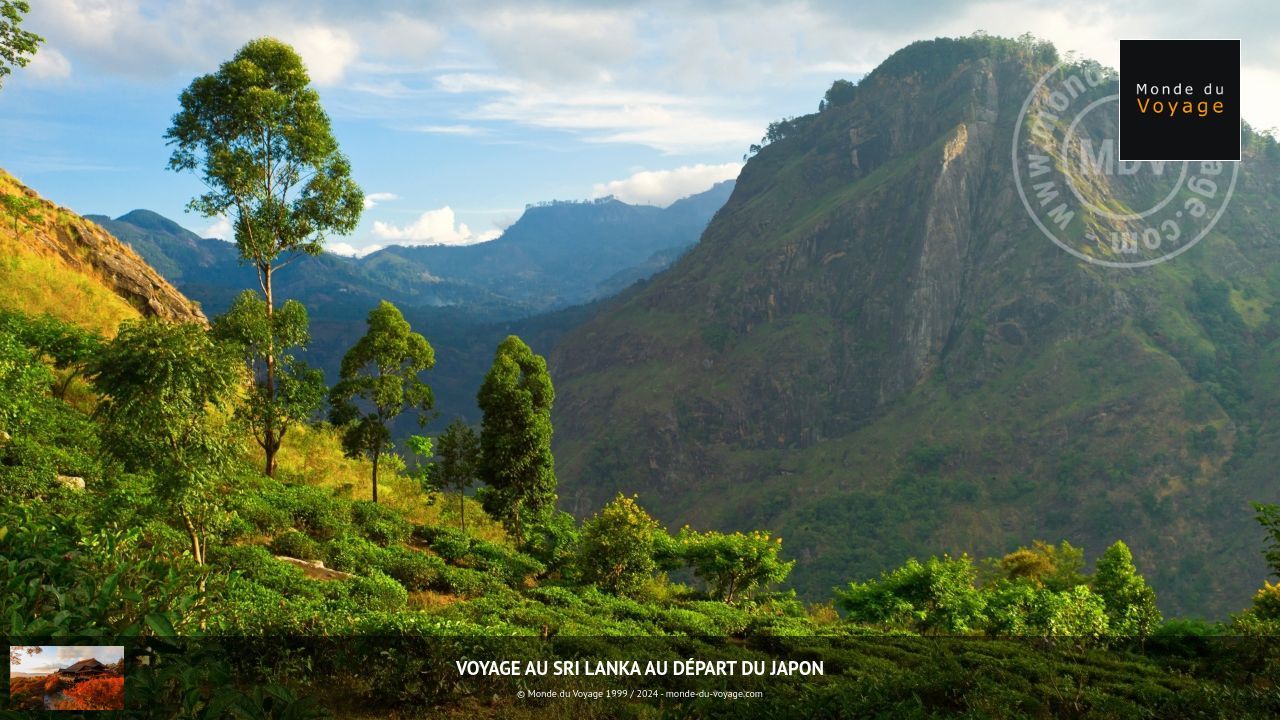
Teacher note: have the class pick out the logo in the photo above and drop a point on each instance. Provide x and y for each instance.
(1097, 207)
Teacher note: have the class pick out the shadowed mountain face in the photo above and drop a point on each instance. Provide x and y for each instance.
(876, 352)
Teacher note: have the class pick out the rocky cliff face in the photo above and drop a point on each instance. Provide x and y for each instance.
(83, 247)
(875, 351)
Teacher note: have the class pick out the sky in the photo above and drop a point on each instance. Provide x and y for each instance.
(56, 657)
(455, 115)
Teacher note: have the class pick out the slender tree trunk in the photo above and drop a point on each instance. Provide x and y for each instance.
(376, 453)
(197, 551)
(270, 443)
(462, 510)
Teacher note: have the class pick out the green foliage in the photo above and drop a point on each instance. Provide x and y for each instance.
(733, 565)
(1130, 602)
(61, 576)
(257, 564)
(297, 545)
(554, 541)
(295, 392)
(16, 45)
(458, 449)
(158, 384)
(415, 570)
(841, 92)
(265, 151)
(617, 546)
(313, 510)
(378, 592)
(452, 545)
(19, 208)
(256, 133)
(354, 554)
(22, 381)
(378, 381)
(1269, 518)
(1266, 602)
(1057, 568)
(382, 525)
(70, 348)
(515, 437)
(935, 596)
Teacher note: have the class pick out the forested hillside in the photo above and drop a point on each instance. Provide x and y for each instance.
(196, 492)
(875, 352)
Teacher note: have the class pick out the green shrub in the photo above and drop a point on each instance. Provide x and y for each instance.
(448, 543)
(316, 511)
(554, 542)
(415, 570)
(617, 547)
(354, 554)
(296, 545)
(464, 581)
(378, 591)
(255, 563)
(165, 537)
(379, 523)
(511, 565)
(264, 513)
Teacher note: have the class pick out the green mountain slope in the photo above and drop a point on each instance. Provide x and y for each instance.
(874, 351)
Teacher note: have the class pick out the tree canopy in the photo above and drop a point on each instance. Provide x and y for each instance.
(16, 45)
(515, 436)
(379, 380)
(261, 142)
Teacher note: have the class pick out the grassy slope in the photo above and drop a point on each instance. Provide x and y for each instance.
(37, 283)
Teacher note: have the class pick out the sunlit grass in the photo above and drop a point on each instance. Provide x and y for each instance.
(313, 455)
(37, 283)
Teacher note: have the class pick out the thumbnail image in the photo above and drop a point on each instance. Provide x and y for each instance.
(66, 677)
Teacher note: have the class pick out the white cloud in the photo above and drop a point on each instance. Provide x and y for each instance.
(467, 130)
(49, 64)
(326, 51)
(221, 229)
(372, 199)
(349, 250)
(667, 122)
(663, 187)
(559, 44)
(434, 227)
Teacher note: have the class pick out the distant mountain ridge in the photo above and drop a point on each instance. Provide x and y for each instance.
(465, 299)
(555, 256)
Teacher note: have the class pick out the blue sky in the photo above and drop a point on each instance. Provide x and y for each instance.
(56, 657)
(456, 115)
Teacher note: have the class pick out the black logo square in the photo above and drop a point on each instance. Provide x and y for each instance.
(1179, 99)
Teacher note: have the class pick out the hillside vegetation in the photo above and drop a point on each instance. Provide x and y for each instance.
(189, 503)
(873, 351)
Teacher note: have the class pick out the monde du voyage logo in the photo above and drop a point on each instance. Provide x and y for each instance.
(1128, 170)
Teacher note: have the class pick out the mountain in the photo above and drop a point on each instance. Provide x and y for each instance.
(465, 300)
(608, 243)
(875, 351)
(59, 263)
(210, 271)
(600, 240)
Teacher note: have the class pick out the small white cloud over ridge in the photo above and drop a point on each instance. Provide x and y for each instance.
(663, 187)
(434, 227)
